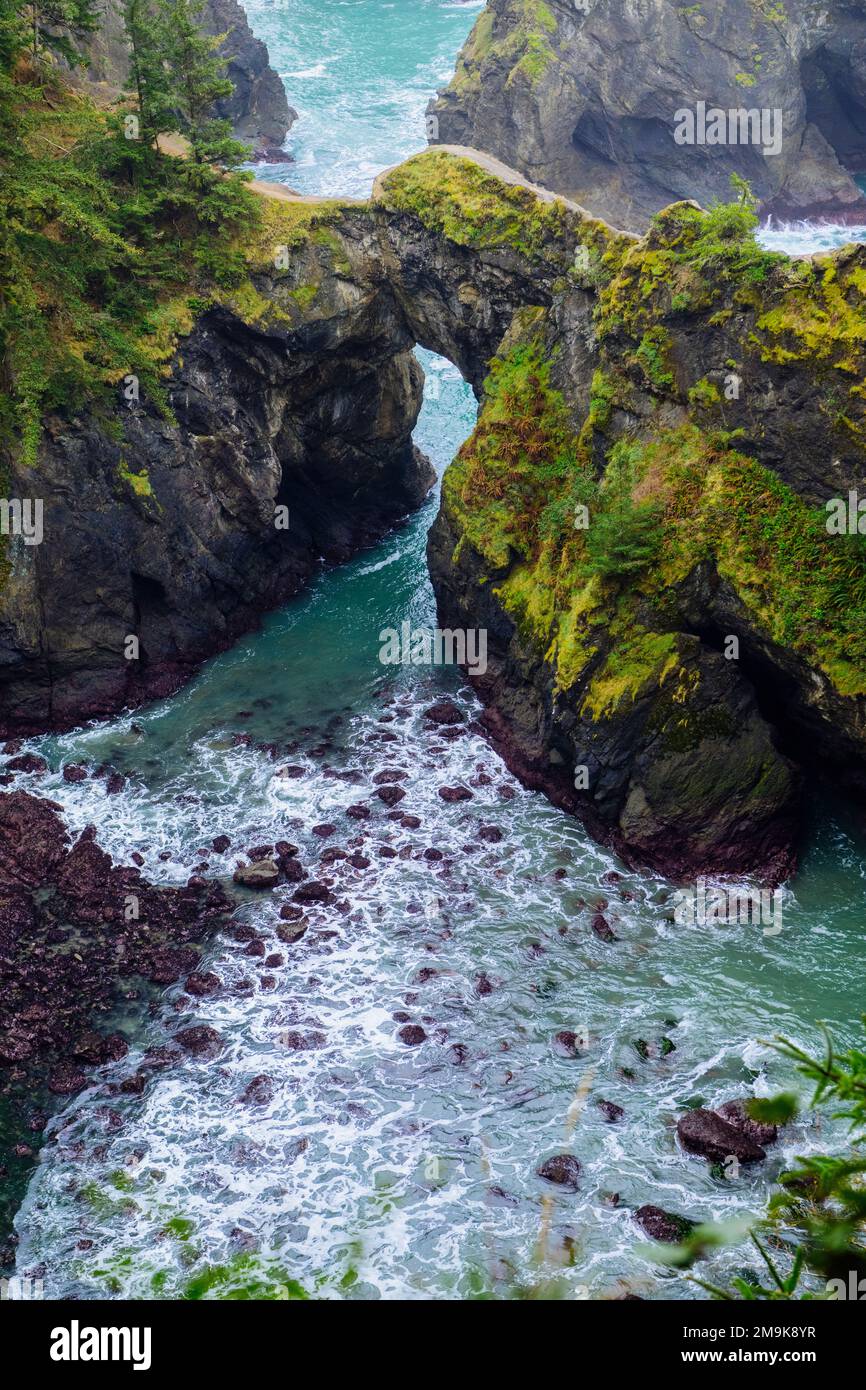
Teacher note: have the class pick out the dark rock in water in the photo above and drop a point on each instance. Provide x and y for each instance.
(65, 1079)
(27, 762)
(313, 892)
(602, 928)
(386, 852)
(221, 843)
(73, 772)
(358, 811)
(410, 822)
(612, 1113)
(15, 1047)
(412, 1034)
(563, 1169)
(303, 1042)
(292, 870)
(292, 772)
(390, 794)
(490, 833)
(202, 984)
(664, 1226)
(294, 932)
(168, 963)
(483, 984)
(260, 852)
(91, 1048)
(331, 855)
(453, 794)
(290, 913)
(359, 861)
(708, 1135)
(114, 783)
(389, 774)
(260, 1091)
(324, 830)
(499, 1194)
(734, 1113)
(444, 712)
(264, 873)
(256, 948)
(45, 879)
(284, 850)
(566, 1044)
(201, 1041)
(433, 853)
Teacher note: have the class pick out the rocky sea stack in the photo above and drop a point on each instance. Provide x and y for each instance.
(582, 96)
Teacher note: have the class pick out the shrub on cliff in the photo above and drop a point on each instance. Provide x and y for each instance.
(102, 236)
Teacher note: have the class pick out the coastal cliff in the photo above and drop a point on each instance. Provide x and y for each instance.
(257, 106)
(582, 96)
(638, 520)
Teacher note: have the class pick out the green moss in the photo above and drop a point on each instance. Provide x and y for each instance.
(460, 200)
(652, 355)
(139, 482)
(704, 394)
(638, 660)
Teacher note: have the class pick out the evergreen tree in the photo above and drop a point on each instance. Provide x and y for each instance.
(150, 79)
(198, 82)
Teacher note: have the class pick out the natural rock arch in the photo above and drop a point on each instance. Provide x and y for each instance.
(301, 390)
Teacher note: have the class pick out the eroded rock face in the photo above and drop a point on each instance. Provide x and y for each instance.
(257, 108)
(290, 441)
(582, 95)
(637, 522)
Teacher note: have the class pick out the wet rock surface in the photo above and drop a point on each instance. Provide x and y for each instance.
(663, 1225)
(562, 1169)
(708, 1135)
(53, 890)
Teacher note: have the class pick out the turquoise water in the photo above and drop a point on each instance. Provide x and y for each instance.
(375, 1170)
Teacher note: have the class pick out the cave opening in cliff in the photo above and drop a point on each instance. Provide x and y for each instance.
(836, 106)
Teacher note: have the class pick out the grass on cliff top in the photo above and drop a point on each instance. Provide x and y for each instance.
(523, 45)
(710, 263)
(471, 207)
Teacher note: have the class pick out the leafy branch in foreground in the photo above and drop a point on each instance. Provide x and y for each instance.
(816, 1220)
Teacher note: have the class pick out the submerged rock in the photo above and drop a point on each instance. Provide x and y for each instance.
(663, 1225)
(611, 1112)
(201, 1041)
(563, 1169)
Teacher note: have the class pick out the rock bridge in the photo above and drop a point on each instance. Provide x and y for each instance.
(704, 397)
